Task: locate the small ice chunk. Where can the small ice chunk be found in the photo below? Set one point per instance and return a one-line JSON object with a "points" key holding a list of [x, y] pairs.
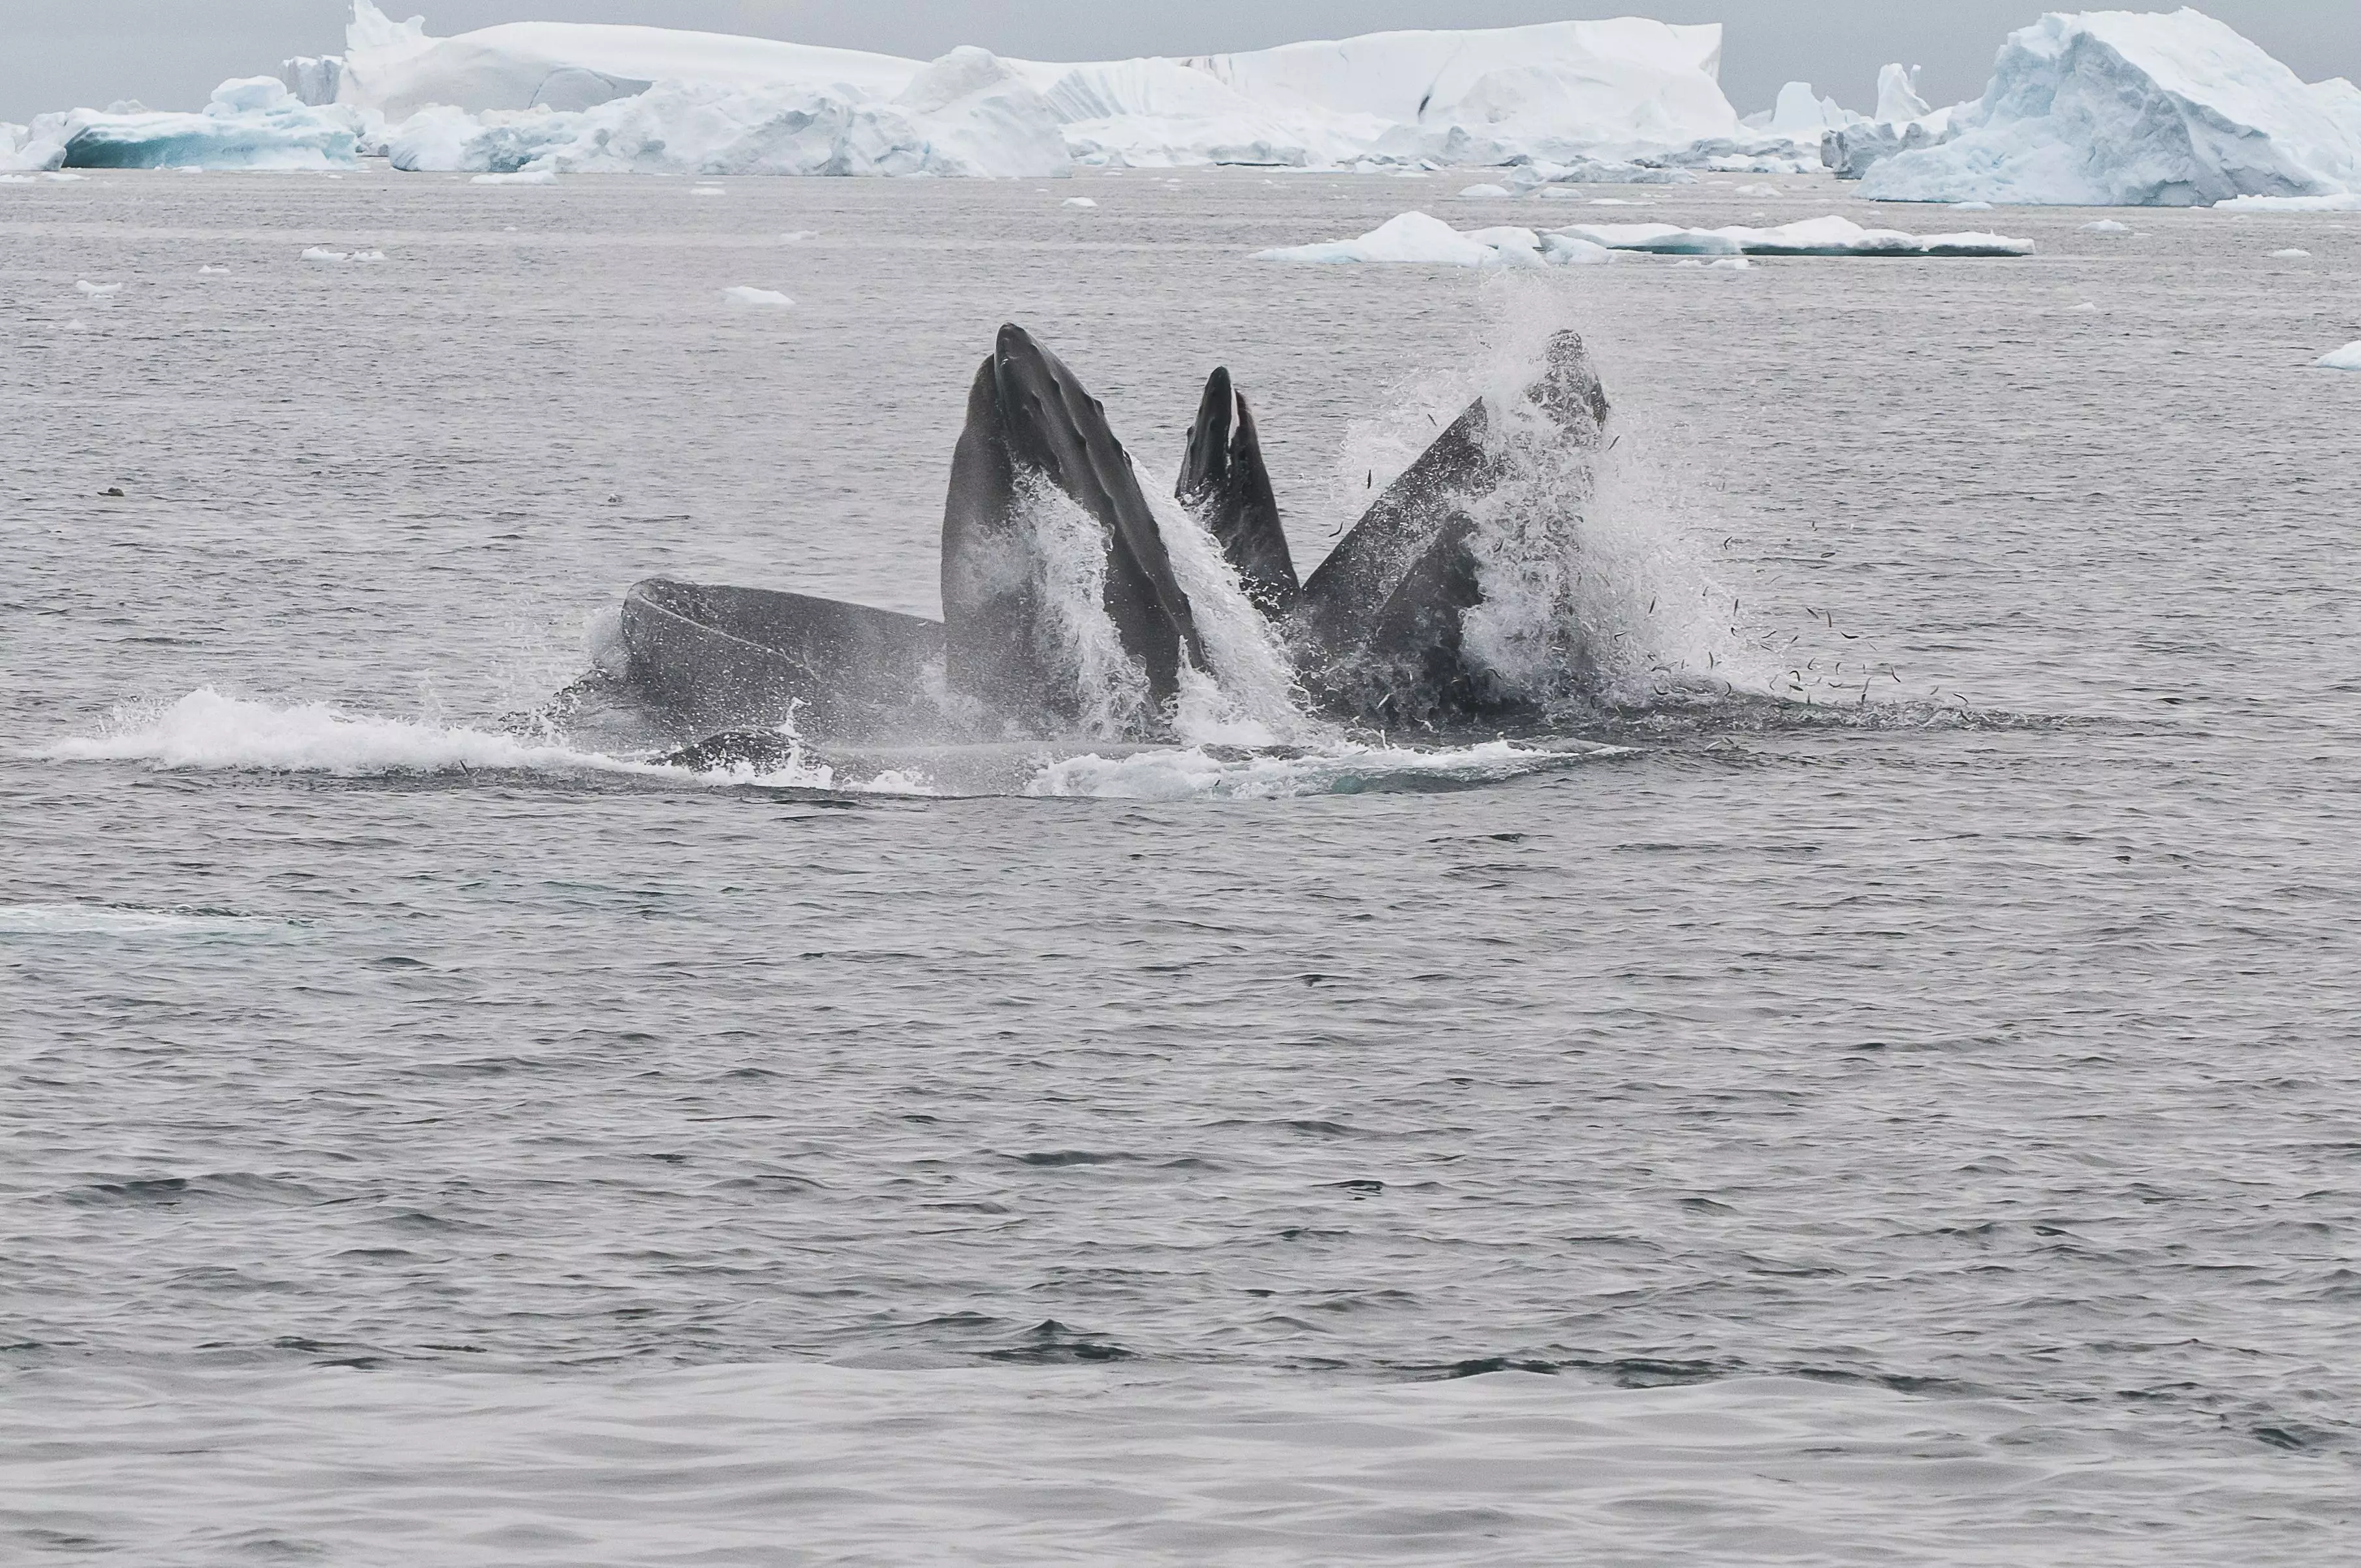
{"points": [[521, 177], [798, 236], [1756, 191], [1077, 201], [763, 298], [2106, 225], [213, 272], [1972, 206], [369, 255], [707, 190], [1484, 193], [2345, 358], [94, 290], [76, 325], [1564, 251], [1730, 264], [321, 253], [2290, 254], [61, 175]]}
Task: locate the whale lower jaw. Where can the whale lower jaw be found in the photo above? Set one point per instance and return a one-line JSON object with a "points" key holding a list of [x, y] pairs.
{"points": [[1376, 633]]}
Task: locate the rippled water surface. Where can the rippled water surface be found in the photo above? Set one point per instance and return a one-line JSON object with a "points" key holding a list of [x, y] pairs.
{"points": [[1920, 1125]]}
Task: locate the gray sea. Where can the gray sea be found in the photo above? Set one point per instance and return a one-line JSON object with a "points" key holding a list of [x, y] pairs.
{"points": [[1903, 1109]]}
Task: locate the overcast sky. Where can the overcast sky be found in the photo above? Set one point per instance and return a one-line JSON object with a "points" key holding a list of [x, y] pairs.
{"points": [[57, 54]]}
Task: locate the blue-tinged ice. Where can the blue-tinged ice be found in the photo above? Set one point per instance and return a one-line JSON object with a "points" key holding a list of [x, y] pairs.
{"points": [[252, 123]]}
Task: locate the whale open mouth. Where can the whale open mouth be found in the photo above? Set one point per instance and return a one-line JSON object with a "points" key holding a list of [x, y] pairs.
{"points": [[1079, 604]]}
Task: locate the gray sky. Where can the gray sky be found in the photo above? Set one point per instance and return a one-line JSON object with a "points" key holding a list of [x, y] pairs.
{"points": [[57, 54]]}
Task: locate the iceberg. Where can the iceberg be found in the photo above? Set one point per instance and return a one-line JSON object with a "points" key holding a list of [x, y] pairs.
{"points": [[1801, 115], [2345, 358], [1898, 103], [1412, 238], [396, 69], [599, 97], [1830, 236], [968, 114], [31, 150], [251, 123], [2116, 108]]}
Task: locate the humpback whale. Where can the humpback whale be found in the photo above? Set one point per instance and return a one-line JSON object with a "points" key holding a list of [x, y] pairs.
{"points": [[1375, 632]]}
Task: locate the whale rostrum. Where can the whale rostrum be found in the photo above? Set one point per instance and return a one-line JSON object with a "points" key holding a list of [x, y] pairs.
{"points": [[1375, 631]]}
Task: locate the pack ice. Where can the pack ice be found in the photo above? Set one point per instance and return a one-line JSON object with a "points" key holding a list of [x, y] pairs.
{"points": [[2115, 108]]}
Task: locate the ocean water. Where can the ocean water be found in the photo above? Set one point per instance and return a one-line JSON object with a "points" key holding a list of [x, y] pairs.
{"points": [[1900, 1104]]}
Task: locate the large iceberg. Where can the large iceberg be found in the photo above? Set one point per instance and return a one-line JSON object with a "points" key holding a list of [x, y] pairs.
{"points": [[592, 96], [967, 113], [396, 69], [2115, 108], [251, 123]]}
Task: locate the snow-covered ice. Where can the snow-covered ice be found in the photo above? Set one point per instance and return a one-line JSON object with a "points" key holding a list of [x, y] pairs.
{"points": [[970, 113], [210, 271], [2290, 254], [1831, 236], [2345, 358], [321, 253], [84, 287], [1485, 193], [1077, 201], [1411, 237], [764, 299], [2116, 108], [2106, 225]]}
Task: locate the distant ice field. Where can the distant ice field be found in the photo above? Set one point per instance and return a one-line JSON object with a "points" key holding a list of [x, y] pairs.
{"points": [[1919, 1125]]}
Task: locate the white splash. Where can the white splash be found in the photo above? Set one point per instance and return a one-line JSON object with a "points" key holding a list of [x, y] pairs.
{"points": [[1250, 696], [1597, 578], [208, 732], [1069, 547]]}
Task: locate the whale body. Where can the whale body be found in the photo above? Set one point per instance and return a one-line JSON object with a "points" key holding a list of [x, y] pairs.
{"points": [[1375, 632]]}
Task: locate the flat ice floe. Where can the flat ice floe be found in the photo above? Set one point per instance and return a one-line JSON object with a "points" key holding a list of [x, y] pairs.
{"points": [[2113, 108], [2348, 202], [1831, 236], [2345, 358], [759, 299], [1419, 238]]}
